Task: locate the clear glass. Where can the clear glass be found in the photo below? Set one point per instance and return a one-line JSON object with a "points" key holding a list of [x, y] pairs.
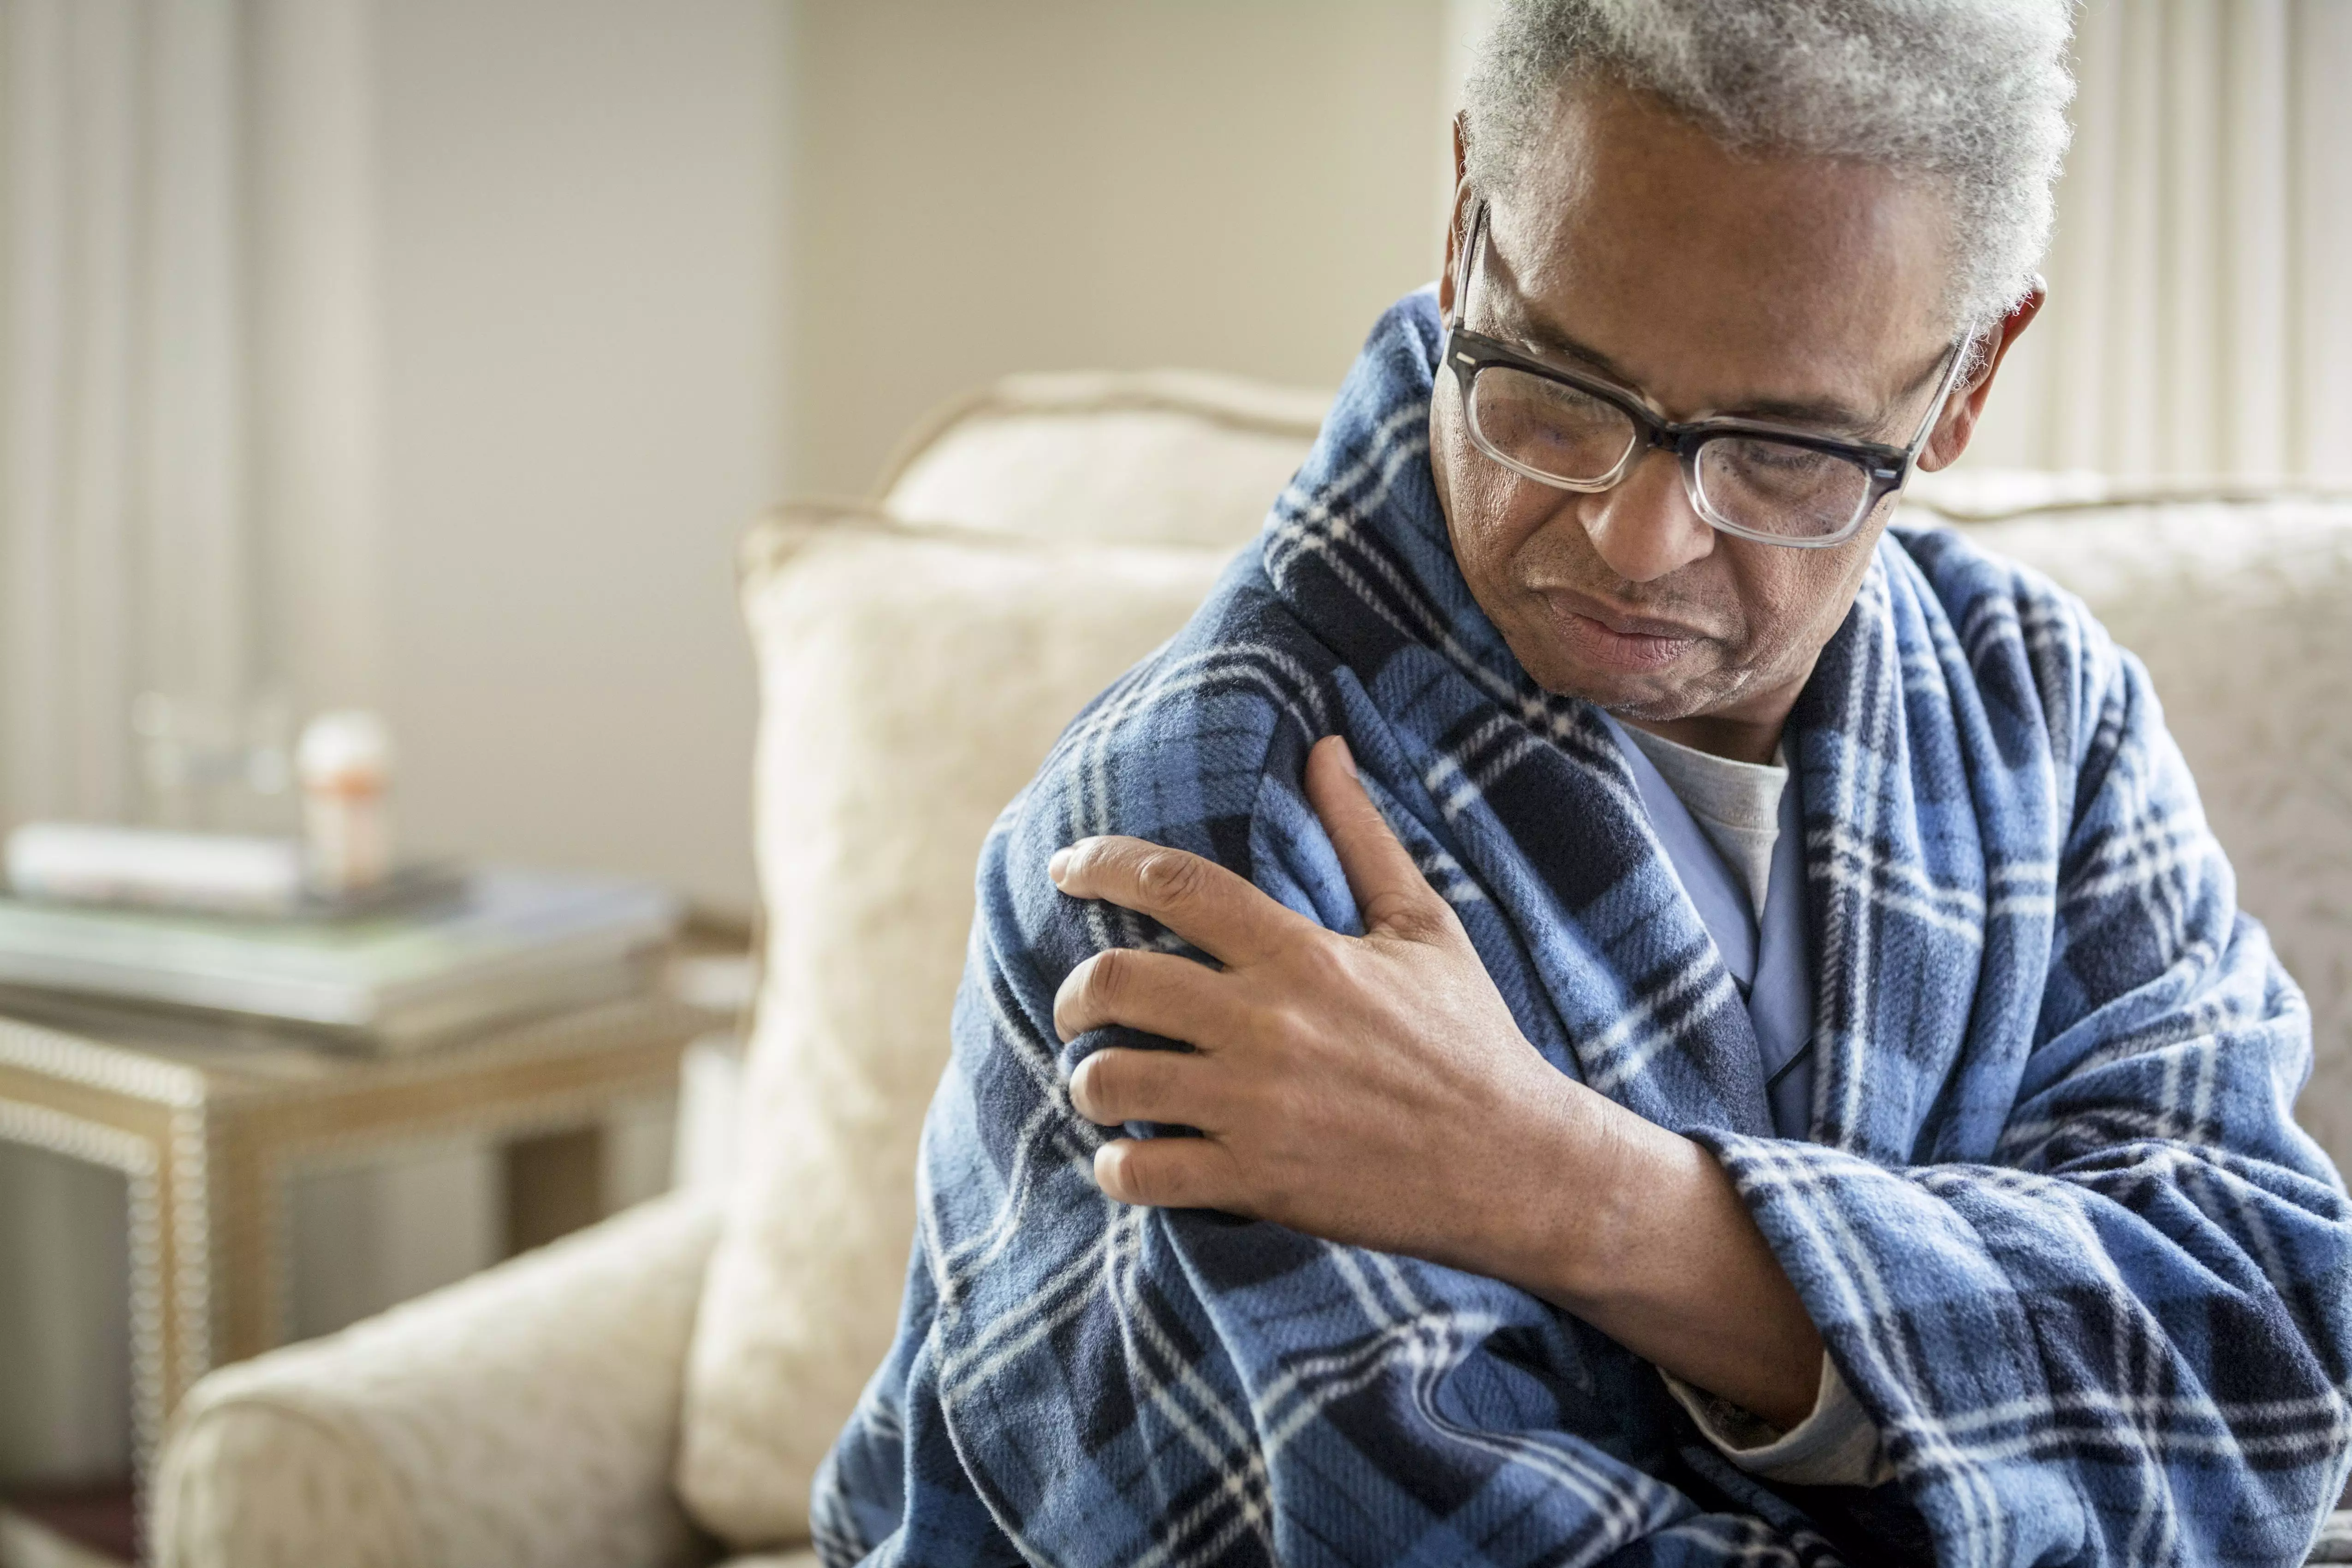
{"points": [[1535, 422], [1773, 487]]}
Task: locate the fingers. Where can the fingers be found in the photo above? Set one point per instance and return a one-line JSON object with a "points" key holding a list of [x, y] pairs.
{"points": [[1157, 992], [1391, 894], [1168, 1172], [1199, 900], [1116, 1085]]}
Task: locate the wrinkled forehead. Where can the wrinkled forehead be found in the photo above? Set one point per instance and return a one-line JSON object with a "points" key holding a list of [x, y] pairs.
{"points": [[1714, 279]]}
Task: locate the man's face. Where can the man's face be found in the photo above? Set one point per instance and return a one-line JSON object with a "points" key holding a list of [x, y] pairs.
{"points": [[1802, 291]]}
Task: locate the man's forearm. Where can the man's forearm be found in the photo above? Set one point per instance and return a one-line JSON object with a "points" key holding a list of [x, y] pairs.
{"points": [[1639, 1232]]}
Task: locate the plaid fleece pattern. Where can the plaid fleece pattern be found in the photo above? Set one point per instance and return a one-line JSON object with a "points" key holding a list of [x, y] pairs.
{"points": [[2053, 1220]]}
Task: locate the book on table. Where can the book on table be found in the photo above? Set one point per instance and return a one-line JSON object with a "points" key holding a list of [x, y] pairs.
{"points": [[499, 945]]}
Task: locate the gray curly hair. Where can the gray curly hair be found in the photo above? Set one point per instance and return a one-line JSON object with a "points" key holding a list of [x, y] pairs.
{"points": [[1972, 93]]}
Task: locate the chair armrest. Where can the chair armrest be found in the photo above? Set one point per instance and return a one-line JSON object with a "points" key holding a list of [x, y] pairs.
{"points": [[526, 1416]]}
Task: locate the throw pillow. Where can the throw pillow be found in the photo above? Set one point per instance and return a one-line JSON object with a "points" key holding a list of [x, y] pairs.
{"points": [[911, 680]]}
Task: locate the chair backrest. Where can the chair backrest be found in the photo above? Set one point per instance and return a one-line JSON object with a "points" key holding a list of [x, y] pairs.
{"points": [[1150, 458]]}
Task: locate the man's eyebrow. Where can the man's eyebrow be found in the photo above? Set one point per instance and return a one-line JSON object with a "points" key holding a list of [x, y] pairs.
{"points": [[1550, 340], [1814, 413]]}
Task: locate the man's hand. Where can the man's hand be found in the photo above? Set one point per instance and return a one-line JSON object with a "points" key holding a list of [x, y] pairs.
{"points": [[1375, 1091]]}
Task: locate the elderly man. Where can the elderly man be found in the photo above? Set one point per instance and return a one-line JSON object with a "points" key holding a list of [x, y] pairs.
{"points": [[1655, 1018]]}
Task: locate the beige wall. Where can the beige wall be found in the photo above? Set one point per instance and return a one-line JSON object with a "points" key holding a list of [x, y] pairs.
{"points": [[569, 290], [1036, 184], [625, 272], [579, 280], [636, 269]]}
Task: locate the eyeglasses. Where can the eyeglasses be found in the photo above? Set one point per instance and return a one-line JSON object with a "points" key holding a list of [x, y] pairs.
{"points": [[1749, 478]]}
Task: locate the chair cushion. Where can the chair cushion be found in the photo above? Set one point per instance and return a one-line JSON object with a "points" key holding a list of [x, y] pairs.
{"points": [[912, 681], [1156, 457], [2242, 610]]}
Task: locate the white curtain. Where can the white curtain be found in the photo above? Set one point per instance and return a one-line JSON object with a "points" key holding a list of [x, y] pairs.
{"points": [[185, 492], [125, 557], [122, 431], [2199, 319], [185, 373]]}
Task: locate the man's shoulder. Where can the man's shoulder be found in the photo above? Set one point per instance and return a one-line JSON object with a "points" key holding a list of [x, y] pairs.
{"points": [[1972, 581], [2009, 619], [1177, 749]]}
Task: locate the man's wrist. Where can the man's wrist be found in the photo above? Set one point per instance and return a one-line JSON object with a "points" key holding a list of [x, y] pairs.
{"points": [[1636, 1230], [1569, 1222]]}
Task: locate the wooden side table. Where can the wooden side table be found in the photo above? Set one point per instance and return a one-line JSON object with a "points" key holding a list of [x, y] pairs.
{"points": [[212, 1123]]}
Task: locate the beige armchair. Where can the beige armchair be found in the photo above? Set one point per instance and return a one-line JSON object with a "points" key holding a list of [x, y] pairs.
{"points": [[655, 1391]]}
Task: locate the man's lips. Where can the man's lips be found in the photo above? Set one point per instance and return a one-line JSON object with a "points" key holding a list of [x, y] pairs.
{"points": [[1605, 635]]}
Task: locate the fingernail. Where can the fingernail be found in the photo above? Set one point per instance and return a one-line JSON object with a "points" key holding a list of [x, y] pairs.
{"points": [[1060, 863], [1346, 756]]}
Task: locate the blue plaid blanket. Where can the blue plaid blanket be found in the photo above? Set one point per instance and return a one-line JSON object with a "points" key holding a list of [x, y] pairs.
{"points": [[2053, 1220]]}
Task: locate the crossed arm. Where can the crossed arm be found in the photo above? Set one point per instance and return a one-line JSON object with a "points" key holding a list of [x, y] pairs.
{"points": [[1375, 1091]]}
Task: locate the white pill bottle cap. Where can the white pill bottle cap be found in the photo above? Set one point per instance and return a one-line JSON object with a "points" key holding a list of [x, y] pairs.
{"points": [[348, 749]]}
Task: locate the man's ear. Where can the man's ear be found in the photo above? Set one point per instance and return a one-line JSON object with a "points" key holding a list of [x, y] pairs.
{"points": [[1965, 405], [1458, 216]]}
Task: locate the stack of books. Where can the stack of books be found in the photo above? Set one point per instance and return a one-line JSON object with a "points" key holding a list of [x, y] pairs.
{"points": [[457, 953]]}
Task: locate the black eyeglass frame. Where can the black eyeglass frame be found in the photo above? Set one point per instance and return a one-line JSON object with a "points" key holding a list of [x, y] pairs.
{"points": [[1468, 353]]}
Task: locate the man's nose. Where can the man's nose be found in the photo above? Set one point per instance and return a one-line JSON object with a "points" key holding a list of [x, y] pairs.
{"points": [[1644, 526]]}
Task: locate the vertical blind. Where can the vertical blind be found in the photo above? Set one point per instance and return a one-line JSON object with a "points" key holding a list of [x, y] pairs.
{"points": [[2199, 319], [122, 553], [185, 380], [183, 487]]}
